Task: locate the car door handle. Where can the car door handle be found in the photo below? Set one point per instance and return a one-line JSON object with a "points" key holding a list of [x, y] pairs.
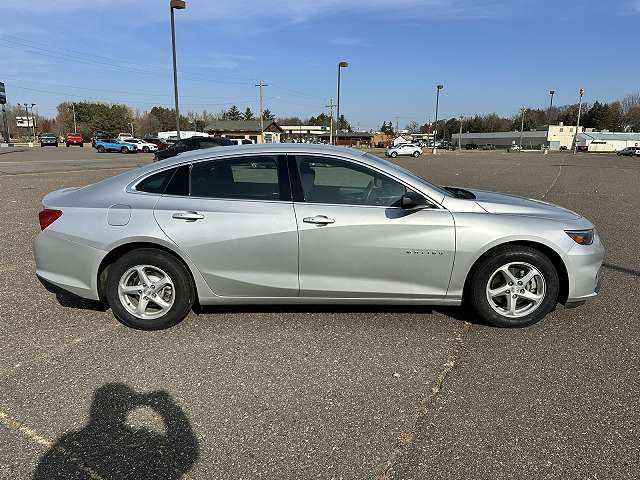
{"points": [[188, 216], [319, 220]]}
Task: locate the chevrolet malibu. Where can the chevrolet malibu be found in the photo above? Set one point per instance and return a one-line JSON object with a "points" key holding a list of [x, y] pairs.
{"points": [[308, 224]]}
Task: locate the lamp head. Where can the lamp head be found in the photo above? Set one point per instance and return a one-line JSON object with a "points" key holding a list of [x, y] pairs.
{"points": [[440, 87], [343, 64], [178, 4]]}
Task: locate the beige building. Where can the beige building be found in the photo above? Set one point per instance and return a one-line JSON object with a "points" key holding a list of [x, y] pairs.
{"points": [[560, 137], [246, 130]]}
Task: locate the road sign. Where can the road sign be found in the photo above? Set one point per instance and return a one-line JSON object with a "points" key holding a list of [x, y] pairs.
{"points": [[25, 122], [3, 95]]}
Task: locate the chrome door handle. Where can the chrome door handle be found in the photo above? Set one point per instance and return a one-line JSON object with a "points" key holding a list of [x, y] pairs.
{"points": [[188, 216], [319, 220]]}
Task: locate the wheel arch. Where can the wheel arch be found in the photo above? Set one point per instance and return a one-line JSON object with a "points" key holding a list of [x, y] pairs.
{"points": [[120, 250], [549, 252]]}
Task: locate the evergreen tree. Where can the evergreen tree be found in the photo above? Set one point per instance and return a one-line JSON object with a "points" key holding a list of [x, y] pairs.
{"points": [[267, 115], [248, 114]]}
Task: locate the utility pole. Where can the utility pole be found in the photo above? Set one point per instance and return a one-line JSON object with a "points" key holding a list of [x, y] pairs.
{"points": [[575, 137], [341, 65], [33, 121], [460, 135], [75, 126], [397, 124], [522, 127], [330, 107], [261, 84]]}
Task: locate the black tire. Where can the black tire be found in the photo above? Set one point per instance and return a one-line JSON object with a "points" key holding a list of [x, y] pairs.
{"points": [[145, 149], [477, 293], [100, 148], [68, 145], [416, 154], [42, 145], [124, 150], [394, 154], [184, 292], [82, 145]]}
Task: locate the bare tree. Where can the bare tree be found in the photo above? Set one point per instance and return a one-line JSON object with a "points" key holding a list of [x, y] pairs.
{"points": [[413, 127]]}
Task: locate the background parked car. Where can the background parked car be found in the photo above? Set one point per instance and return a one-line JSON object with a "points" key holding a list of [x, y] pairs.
{"points": [[48, 139], [193, 143], [74, 139], [98, 135], [115, 145], [158, 142], [629, 152], [404, 149], [143, 146]]}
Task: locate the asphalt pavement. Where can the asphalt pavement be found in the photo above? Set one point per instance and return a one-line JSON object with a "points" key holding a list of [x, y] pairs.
{"points": [[321, 392]]}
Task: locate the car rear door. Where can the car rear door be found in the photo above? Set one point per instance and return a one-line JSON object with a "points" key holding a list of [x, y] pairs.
{"points": [[356, 241], [237, 224]]}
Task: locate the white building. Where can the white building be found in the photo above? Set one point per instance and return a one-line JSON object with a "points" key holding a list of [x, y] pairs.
{"points": [[303, 133], [607, 141], [183, 134]]}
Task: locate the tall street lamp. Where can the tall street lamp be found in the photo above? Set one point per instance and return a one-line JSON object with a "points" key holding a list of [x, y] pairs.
{"points": [[551, 93], [523, 110], [575, 137], [435, 130], [341, 65], [175, 5], [460, 135]]}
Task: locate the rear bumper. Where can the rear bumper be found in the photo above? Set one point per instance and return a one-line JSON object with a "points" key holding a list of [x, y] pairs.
{"points": [[67, 266]]}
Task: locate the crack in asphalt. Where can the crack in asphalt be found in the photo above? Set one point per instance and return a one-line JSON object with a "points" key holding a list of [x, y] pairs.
{"points": [[425, 402]]}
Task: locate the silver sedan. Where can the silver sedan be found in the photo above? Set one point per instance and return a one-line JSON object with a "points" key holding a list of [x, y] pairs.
{"points": [[308, 224]]}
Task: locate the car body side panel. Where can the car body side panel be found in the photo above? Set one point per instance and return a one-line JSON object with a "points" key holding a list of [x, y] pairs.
{"points": [[477, 233], [243, 248], [375, 251]]}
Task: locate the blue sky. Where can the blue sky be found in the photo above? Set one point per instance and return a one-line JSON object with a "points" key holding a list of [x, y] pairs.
{"points": [[491, 55]]}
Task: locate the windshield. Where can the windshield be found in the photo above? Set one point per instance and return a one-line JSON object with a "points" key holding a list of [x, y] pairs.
{"points": [[409, 173]]}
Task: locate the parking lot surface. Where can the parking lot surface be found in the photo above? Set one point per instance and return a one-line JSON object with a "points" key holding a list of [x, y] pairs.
{"points": [[321, 392]]}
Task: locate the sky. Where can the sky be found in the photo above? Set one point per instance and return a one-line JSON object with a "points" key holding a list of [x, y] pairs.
{"points": [[490, 55]]}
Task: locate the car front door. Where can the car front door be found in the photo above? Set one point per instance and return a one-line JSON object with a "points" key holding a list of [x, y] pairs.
{"points": [[237, 224], [356, 241]]}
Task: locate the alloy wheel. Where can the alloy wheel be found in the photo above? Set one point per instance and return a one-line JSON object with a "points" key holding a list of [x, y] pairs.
{"points": [[146, 292], [516, 289]]}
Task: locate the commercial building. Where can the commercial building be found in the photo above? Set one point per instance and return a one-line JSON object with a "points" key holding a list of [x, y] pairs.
{"points": [[304, 133], [183, 134], [246, 129], [606, 141], [554, 137]]}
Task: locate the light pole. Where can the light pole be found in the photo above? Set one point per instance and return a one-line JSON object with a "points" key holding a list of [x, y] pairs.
{"points": [[460, 135], [33, 120], [75, 126], [523, 109], [341, 65], [175, 5], [551, 93], [330, 107], [575, 137], [435, 129]]}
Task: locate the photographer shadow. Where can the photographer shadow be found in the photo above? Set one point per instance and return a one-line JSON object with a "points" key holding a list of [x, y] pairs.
{"points": [[108, 448]]}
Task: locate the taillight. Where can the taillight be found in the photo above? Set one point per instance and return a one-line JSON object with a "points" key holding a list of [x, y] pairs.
{"points": [[47, 216]]}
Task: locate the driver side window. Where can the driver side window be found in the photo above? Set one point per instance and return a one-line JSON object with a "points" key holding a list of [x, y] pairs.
{"points": [[334, 181]]}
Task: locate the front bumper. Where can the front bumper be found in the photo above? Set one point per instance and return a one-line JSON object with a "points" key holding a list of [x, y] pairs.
{"points": [[583, 264]]}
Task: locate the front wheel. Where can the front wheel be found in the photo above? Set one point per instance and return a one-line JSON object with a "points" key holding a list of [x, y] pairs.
{"points": [[100, 149], [145, 149], [394, 154], [124, 150], [516, 286], [150, 289], [416, 154]]}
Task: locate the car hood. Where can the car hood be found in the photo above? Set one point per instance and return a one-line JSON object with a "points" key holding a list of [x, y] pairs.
{"points": [[502, 203]]}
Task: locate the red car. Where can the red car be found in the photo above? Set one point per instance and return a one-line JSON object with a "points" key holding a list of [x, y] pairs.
{"points": [[74, 139]]}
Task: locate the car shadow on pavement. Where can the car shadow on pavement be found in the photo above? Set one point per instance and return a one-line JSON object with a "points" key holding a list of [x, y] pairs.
{"points": [[110, 448], [79, 303]]}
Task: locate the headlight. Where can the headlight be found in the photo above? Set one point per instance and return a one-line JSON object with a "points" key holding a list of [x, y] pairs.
{"points": [[581, 237]]}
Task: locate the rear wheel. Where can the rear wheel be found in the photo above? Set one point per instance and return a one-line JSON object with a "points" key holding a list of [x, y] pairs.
{"points": [[416, 154], [145, 149], [394, 154], [150, 289], [100, 148], [516, 286], [124, 150]]}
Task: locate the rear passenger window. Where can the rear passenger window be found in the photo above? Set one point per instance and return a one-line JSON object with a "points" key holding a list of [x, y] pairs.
{"points": [[179, 183], [247, 178], [156, 183]]}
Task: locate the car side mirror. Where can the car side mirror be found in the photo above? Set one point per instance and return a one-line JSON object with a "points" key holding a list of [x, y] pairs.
{"points": [[412, 201]]}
